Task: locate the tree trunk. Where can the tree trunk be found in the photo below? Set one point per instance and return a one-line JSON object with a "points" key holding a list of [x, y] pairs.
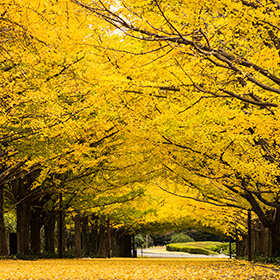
{"points": [[94, 236], [114, 242], [94, 248], [85, 237], [61, 234], [124, 245], [269, 220], [3, 241], [102, 241], [78, 233], [35, 227], [249, 235], [22, 191], [275, 235], [50, 235], [108, 239], [23, 226]]}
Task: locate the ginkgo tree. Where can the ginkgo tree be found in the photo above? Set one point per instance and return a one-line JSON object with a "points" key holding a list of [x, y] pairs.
{"points": [[63, 128], [209, 73], [100, 99], [48, 109], [34, 109]]}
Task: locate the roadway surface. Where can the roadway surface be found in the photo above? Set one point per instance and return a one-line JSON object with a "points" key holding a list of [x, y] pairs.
{"points": [[161, 253]]}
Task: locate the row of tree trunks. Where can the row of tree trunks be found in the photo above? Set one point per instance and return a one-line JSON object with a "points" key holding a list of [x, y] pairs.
{"points": [[29, 233], [31, 217], [93, 237], [275, 233], [100, 239], [259, 240], [29, 228]]}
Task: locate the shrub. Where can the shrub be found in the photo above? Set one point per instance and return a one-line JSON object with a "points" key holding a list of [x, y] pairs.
{"points": [[184, 247], [161, 239], [140, 240], [180, 238], [199, 235]]}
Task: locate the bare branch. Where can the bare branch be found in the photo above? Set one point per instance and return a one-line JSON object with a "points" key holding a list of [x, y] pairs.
{"points": [[168, 21], [254, 102], [10, 171], [250, 4]]}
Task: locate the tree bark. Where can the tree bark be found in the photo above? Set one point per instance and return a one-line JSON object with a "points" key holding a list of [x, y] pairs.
{"points": [[35, 227], [3, 241], [124, 245], [22, 192], [78, 234], [102, 241], [114, 242], [49, 228], [85, 237], [61, 229], [23, 214], [268, 222], [61, 235], [23, 226], [249, 236], [275, 235], [108, 238], [94, 248]]}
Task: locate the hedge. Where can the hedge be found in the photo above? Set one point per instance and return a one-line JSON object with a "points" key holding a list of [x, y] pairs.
{"points": [[181, 247]]}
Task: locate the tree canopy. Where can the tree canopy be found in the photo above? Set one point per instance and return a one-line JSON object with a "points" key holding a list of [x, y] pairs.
{"points": [[147, 112]]}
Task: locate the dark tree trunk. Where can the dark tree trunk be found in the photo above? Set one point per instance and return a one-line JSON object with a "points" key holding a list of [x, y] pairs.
{"points": [[249, 224], [61, 234], [22, 191], [269, 220], [265, 240], [3, 241], [78, 234], [36, 226], [94, 248], [50, 235], [85, 237], [114, 247], [237, 242], [102, 241], [109, 241], [124, 245], [275, 235], [23, 225]]}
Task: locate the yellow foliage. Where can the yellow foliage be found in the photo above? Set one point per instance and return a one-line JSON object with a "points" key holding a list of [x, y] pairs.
{"points": [[142, 106], [195, 269]]}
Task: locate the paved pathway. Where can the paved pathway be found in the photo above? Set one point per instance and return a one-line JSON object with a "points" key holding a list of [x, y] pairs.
{"points": [[160, 253]]}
